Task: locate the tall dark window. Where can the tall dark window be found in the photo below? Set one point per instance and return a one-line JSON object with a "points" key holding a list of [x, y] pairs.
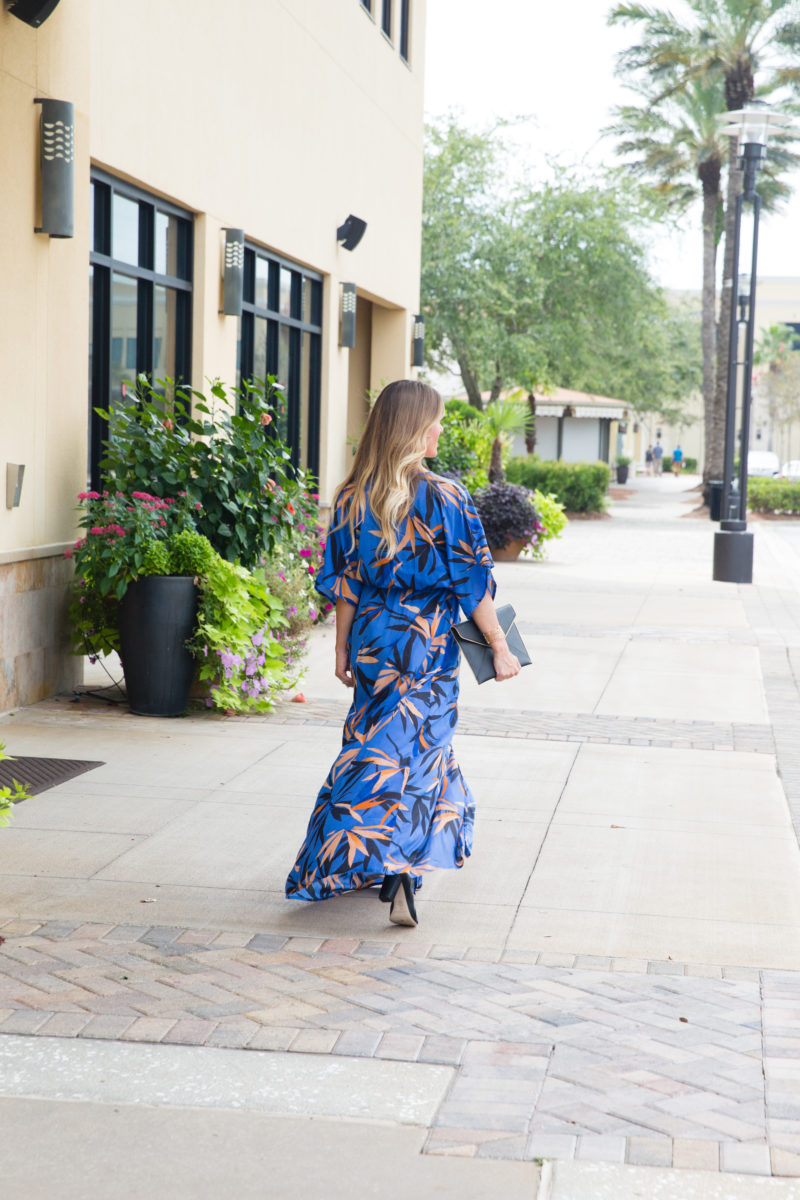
{"points": [[405, 23], [280, 335], [140, 289], [386, 18], [367, 4]]}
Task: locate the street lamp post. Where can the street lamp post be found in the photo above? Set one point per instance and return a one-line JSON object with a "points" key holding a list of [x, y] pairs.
{"points": [[733, 545]]}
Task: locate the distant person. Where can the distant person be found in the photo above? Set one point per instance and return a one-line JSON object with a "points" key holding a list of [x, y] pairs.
{"points": [[658, 454], [677, 461], [648, 461]]}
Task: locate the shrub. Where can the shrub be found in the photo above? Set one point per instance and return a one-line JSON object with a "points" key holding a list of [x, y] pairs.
{"points": [[172, 440], [773, 495], [465, 446], [580, 487], [289, 573], [507, 514]]}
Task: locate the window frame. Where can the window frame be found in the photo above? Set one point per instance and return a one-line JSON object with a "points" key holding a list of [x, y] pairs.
{"points": [[386, 20], [297, 326], [404, 38], [104, 266]]}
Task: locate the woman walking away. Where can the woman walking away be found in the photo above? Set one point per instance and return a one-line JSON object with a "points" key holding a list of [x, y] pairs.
{"points": [[405, 550]]}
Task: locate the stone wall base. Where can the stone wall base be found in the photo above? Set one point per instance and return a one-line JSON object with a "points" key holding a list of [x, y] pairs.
{"points": [[35, 661]]}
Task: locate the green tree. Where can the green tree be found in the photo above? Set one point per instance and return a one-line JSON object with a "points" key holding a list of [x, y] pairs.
{"points": [[676, 148], [481, 312], [540, 285], [733, 42]]}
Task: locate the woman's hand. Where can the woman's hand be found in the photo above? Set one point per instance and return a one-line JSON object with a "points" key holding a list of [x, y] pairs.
{"points": [[506, 664], [343, 671]]}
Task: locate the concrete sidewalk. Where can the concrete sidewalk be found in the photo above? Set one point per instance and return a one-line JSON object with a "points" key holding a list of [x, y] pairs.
{"points": [[611, 980]]}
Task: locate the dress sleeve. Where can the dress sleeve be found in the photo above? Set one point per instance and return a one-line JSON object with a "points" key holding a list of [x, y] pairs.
{"points": [[469, 561], [339, 577]]}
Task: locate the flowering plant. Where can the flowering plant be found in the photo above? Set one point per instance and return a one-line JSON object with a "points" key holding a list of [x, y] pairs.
{"points": [[224, 449], [238, 640], [507, 513], [290, 571], [552, 521], [125, 538], [120, 533]]}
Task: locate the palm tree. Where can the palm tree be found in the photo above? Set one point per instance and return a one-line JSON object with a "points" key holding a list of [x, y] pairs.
{"points": [[676, 146], [503, 417], [735, 41]]}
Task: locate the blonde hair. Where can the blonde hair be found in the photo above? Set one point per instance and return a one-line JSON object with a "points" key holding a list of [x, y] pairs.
{"points": [[389, 457]]}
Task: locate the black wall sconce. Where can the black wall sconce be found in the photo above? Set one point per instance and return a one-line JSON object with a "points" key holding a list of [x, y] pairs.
{"points": [[347, 337], [57, 137], [233, 273], [32, 12], [418, 341], [351, 232]]}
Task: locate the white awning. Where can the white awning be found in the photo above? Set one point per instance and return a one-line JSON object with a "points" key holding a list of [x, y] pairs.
{"points": [[606, 413], [549, 410]]}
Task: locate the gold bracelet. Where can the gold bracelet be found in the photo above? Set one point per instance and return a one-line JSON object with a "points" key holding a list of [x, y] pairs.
{"points": [[493, 635]]}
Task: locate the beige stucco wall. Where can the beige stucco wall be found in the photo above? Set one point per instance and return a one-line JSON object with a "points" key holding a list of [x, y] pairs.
{"points": [[44, 290], [278, 116]]}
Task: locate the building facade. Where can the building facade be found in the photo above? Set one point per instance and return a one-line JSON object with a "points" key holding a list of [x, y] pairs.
{"points": [[279, 119]]}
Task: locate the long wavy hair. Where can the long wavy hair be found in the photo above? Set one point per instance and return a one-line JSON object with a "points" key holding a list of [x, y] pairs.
{"points": [[389, 458]]}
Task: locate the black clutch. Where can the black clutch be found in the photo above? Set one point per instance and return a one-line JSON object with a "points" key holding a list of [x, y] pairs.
{"points": [[479, 654]]}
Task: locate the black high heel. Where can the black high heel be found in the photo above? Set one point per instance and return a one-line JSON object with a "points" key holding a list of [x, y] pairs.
{"points": [[398, 891]]}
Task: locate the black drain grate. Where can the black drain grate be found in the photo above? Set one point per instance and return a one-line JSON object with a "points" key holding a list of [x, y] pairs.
{"points": [[39, 774]]}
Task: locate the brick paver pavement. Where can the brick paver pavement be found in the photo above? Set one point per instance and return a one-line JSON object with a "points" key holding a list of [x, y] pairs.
{"points": [[655, 1063]]}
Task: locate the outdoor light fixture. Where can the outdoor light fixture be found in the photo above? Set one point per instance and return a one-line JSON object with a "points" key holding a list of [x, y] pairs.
{"points": [[32, 12], [351, 232], [57, 162], [743, 296], [14, 476], [733, 545], [347, 337], [233, 273], [418, 342]]}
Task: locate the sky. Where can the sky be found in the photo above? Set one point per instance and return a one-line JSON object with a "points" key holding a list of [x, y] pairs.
{"points": [[553, 62]]}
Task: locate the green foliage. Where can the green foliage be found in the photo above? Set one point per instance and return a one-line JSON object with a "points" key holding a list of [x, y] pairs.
{"points": [[462, 408], [507, 513], [220, 450], [465, 446], [189, 553], [156, 559], [773, 495], [289, 574], [541, 286], [10, 795], [553, 521], [580, 487], [238, 651], [622, 460]]}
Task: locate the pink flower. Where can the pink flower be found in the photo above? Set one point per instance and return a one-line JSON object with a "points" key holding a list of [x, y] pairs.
{"points": [[67, 554], [97, 530]]}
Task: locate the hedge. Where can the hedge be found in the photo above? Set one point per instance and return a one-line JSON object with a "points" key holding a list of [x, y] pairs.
{"points": [[773, 495], [580, 487], [689, 464]]}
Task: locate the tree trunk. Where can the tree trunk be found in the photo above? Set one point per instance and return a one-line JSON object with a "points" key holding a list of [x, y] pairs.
{"points": [[710, 180], [496, 472], [470, 381], [715, 444], [497, 386], [530, 434]]}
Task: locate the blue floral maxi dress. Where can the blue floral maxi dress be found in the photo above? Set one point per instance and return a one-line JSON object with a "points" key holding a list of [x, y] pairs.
{"points": [[394, 800]]}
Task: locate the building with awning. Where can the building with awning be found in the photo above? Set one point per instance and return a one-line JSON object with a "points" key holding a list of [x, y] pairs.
{"points": [[576, 426]]}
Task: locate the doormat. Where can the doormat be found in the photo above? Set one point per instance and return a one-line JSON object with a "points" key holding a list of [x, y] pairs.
{"points": [[39, 774]]}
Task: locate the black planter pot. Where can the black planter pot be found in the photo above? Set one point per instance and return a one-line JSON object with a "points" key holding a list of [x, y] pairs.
{"points": [[156, 617], [622, 474]]}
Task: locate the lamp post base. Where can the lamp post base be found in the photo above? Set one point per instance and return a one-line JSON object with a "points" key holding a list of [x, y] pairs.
{"points": [[733, 556]]}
